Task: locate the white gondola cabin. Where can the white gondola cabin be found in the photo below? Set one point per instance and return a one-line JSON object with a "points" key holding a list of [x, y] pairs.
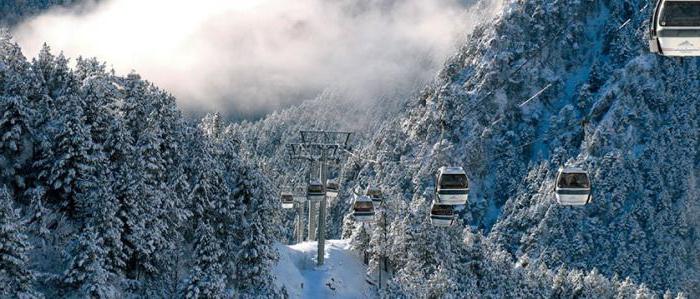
{"points": [[363, 209], [675, 28], [573, 187], [314, 191], [332, 188], [287, 200], [452, 186], [375, 193], [441, 214]]}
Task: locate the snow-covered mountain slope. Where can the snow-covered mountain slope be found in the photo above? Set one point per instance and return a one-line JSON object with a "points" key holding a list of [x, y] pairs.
{"points": [[629, 117], [342, 275], [547, 84], [106, 191]]}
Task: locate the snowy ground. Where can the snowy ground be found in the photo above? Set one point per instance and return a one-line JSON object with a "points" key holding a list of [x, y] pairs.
{"points": [[342, 275]]}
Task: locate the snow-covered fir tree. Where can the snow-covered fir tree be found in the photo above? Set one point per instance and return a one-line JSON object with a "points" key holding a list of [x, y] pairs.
{"points": [[87, 275], [16, 279], [207, 279]]}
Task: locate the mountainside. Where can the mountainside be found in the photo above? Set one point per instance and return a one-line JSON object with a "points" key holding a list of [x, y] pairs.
{"points": [[546, 84], [107, 192], [628, 117]]}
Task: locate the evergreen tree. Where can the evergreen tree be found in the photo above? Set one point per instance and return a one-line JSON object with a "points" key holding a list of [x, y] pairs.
{"points": [[16, 278], [87, 274], [74, 160], [348, 226], [137, 104], [359, 241], [209, 189], [212, 126], [258, 223], [43, 67], [103, 207], [441, 285], [145, 232], [99, 96], [206, 277], [16, 77], [16, 144], [376, 248]]}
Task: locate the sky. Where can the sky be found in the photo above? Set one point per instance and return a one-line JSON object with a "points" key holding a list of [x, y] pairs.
{"points": [[250, 57]]}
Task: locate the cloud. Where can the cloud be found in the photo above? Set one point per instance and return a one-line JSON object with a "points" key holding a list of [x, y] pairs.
{"points": [[258, 55]]}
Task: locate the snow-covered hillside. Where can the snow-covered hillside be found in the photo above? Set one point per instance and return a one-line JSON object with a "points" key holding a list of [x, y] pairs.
{"points": [[342, 276], [120, 196], [107, 191], [602, 102]]}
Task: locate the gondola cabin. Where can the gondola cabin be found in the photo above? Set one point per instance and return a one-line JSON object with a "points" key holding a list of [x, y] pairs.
{"points": [[363, 209], [314, 191], [287, 200], [332, 188], [573, 187], [375, 193], [441, 214], [452, 186], [674, 29]]}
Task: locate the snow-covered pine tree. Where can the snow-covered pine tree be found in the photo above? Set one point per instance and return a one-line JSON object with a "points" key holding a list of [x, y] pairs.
{"points": [[37, 222], [99, 96], [209, 189], [359, 241], [16, 142], [74, 160], [16, 78], [376, 248], [17, 113], [137, 104], [87, 275], [145, 233], [215, 175], [258, 227], [206, 279], [100, 207], [348, 226], [212, 126], [176, 159], [440, 284], [62, 82], [16, 278]]}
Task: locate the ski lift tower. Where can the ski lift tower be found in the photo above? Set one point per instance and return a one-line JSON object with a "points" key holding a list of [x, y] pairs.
{"points": [[323, 147]]}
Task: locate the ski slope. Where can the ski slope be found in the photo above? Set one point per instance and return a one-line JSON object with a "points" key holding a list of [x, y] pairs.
{"points": [[342, 275]]}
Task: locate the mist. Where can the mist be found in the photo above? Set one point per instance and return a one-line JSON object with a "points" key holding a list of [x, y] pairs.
{"points": [[249, 57]]}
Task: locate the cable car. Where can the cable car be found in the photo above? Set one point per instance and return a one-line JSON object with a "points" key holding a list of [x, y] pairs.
{"points": [[375, 194], [452, 186], [441, 214], [287, 200], [332, 188], [314, 191], [573, 187], [674, 29], [363, 208]]}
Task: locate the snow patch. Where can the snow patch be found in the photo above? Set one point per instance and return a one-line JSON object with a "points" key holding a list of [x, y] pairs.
{"points": [[341, 276]]}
